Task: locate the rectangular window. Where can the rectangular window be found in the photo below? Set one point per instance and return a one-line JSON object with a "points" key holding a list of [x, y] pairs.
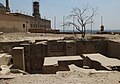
{"points": [[23, 25]]}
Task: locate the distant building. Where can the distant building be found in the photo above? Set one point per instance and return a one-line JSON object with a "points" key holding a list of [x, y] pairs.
{"points": [[17, 22], [2, 8]]}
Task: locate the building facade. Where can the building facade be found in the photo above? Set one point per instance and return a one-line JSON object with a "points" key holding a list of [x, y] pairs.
{"points": [[17, 22]]}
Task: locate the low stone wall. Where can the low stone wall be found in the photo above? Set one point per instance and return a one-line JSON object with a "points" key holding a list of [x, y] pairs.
{"points": [[34, 53], [55, 48], [93, 46], [113, 49], [6, 47], [31, 56], [70, 48]]}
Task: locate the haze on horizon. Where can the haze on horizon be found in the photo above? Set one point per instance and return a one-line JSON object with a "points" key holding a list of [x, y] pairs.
{"points": [[109, 9]]}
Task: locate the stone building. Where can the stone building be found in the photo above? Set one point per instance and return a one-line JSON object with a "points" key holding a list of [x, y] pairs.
{"points": [[2, 8], [17, 22]]}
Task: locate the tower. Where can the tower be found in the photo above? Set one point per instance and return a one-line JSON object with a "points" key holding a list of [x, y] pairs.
{"points": [[7, 7], [36, 9], [102, 26]]}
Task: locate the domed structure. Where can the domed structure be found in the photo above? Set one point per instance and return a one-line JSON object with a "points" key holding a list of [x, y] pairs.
{"points": [[2, 8], [1, 5]]}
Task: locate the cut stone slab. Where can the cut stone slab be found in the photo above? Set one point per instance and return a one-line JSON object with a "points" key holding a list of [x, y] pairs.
{"points": [[18, 58], [54, 60], [55, 64], [103, 60]]}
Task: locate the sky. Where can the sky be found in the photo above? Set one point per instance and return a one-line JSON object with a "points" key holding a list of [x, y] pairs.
{"points": [[49, 9]]}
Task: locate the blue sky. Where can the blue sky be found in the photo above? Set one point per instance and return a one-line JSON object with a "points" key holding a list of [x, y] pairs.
{"points": [[109, 9]]}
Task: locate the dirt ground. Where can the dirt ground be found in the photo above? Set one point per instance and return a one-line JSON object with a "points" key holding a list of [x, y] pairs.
{"points": [[9, 37], [69, 77]]}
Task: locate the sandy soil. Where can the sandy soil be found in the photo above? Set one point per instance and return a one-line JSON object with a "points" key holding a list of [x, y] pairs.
{"points": [[70, 77], [9, 37]]}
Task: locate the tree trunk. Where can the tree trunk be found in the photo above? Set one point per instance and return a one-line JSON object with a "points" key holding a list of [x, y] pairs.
{"points": [[82, 32]]}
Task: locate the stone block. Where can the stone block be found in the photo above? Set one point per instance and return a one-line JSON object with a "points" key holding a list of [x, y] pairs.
{"points": [[38, 52], [26, 49], [71, 48], [113, 49], [86, 47], [55, 48], [80, 45], [27, 56], [18, 58], [101, 62], [37, 65]]}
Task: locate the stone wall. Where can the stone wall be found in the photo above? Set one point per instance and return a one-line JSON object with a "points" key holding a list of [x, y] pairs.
{"points": [[12, 26], [32, 55], [67, 48], [35, 53], [91, 46], [86, 47], [113, 49], [55, 48], [17, 22], [10, 23], [27, 59], [71, 48], [6, 47]]}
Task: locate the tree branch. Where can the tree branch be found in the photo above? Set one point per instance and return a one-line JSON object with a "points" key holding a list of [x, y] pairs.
{"points": [[82, 18], [70, 23], [93, 14]]}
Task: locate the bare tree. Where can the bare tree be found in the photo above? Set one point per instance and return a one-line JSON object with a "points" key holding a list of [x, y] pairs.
{"points": [[82, 17]]}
